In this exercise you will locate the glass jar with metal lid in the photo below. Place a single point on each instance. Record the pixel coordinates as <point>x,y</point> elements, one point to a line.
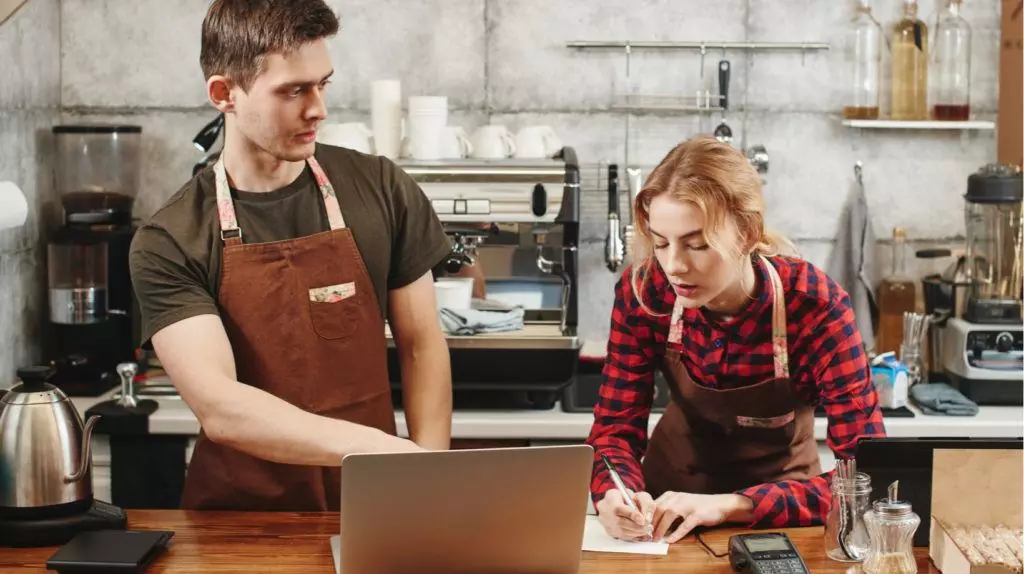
<point>891,525</point>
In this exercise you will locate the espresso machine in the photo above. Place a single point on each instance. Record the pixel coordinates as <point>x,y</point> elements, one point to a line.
<point>983,350</point>
<point>514,226</point>
<point>93,318</point>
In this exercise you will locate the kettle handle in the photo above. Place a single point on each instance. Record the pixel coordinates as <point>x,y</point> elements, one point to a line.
<point>86,451</point>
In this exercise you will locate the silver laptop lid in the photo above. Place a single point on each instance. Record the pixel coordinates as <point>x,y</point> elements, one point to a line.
<point>507,510</point>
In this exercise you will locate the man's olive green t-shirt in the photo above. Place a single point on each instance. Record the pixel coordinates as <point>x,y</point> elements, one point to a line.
<point>176,256</point>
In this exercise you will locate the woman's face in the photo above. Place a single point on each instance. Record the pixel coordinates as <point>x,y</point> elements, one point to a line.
<point>698,273</point>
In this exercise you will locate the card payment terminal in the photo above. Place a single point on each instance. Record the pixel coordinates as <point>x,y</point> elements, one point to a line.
<point>765,553</point>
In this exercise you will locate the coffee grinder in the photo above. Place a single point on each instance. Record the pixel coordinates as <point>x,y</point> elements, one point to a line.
<point>983,351</point>
<point>93,318</point>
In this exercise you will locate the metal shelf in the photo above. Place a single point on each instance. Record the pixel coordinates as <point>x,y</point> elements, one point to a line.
<point>665,103</point>
<point>921,125</point>
<point>700,46</point>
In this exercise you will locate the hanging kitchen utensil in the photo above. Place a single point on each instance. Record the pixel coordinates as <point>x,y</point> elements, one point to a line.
<point>204,140</point>
<point>723,132</point>
<point>635,176</point>
<point>614,252</point>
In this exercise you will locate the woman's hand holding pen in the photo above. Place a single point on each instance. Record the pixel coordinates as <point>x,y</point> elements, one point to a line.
<point>671,517</point>
<point>621,521</point>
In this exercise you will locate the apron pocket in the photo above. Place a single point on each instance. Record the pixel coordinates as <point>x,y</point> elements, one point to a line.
<point>334,311</point>
<point>774,429</point>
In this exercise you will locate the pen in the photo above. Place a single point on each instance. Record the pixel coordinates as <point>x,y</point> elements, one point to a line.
<point>625,492</point>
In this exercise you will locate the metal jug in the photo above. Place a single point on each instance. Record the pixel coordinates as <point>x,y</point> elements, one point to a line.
<point>45,463</point>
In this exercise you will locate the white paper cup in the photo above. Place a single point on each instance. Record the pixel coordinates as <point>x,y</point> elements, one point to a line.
<point>386,116</point>
<point>454,292</point>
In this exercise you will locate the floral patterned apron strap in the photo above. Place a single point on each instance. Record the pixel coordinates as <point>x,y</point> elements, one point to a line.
<point>225,207</point>
<point>334,217</point>
<point>675,325</point>
<point>779,345</point>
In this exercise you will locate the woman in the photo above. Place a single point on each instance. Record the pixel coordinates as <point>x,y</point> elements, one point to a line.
<point>749,340</point>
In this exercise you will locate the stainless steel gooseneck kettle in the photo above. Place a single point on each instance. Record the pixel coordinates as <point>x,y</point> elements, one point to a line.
<point>45,465</point>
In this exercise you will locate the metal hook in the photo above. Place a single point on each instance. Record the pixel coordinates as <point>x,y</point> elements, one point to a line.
<point>703,52</point>
<point>629,51</point>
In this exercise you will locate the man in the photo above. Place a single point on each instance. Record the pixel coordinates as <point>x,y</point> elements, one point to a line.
<point>264,282</point>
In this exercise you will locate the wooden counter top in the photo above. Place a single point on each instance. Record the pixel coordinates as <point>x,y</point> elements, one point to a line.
<point>213,542</point>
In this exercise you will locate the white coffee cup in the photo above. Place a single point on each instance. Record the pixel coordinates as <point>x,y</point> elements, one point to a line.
<point>353,135</point>
<point>13,206</point>
<point>493,142</point>
<point>453,292</point>
<point>455,144</point>
<point>537,142</point>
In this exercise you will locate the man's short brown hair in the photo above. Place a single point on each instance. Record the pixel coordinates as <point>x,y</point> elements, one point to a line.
<point>239,34</point>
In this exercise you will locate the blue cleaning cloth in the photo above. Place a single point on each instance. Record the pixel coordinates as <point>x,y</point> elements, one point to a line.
<point>942,399</point>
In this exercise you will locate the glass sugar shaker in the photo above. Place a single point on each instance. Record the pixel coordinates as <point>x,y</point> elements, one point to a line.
<point>891,525</point>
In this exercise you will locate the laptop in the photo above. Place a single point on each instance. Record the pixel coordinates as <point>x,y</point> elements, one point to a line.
<point>909,460</point>
<point>503,510</point>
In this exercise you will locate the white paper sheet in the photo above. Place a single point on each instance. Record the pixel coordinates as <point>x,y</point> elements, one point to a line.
<point>336,553</point>
<point>595,539</point>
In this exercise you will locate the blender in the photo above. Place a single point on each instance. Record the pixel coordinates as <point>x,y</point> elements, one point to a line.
<point>93,321</point>
<point>983,351</point>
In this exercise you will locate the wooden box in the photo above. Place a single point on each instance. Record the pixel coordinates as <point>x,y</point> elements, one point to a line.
<point>1010,129</point>
<point>972,489</point>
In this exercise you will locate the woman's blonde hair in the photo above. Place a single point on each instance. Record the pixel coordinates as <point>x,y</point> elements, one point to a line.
<point>717,179</point>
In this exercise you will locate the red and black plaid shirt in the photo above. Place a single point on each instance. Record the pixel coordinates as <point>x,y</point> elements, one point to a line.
<point>827,364</point>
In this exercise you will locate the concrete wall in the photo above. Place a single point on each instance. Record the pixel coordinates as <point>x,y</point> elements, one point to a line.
<point>505,61</point>
<point>29,105</point>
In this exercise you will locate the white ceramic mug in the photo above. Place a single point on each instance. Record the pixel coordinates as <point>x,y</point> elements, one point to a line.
<point>455,143</point>
<point>493,142</point>
<point>537,142</point>
<point>354,135</point>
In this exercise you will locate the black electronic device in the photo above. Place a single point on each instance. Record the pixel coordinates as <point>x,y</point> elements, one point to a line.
<point>909,460</point>
<point>109,551</point>
<point>765,553</point>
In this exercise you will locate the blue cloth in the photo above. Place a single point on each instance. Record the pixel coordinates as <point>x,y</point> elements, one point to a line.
<point>475,321</point>
<point>942,399</point>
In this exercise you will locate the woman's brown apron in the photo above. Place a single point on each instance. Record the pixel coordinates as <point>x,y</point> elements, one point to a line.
<point>304,324</point>
<point>712,441</point>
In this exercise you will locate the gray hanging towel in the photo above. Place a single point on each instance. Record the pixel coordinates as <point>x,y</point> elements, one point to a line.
<point>852,264</point>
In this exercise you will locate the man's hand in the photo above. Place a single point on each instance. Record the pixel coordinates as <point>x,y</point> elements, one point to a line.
<point>425,363</point>
<point>197,355</point>
<point>696,510</point>
<point>619,520</point>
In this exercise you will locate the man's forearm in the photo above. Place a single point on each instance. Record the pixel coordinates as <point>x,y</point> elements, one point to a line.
<point>427,393</point>
<point>262,425</point>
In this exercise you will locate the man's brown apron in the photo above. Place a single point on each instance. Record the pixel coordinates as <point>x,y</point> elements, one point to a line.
<point>304,324</point>
<point>712,441</point>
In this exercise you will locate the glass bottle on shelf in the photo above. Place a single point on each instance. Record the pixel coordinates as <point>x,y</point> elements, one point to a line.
<point>951,65</point>
<point>897,294</point>
<point>910,66</point>
<point>865,59</point>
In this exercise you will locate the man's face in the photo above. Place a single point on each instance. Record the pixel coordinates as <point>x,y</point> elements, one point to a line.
<point>285,104</point>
